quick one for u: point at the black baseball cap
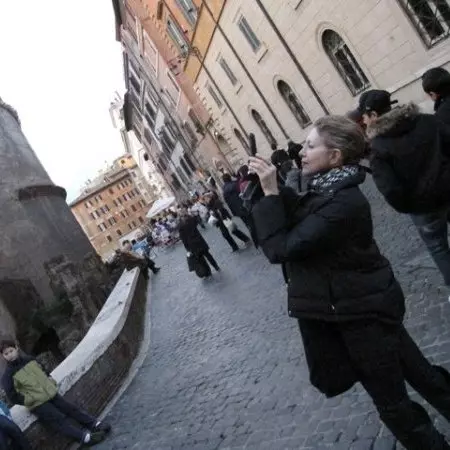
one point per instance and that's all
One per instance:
(375, 100)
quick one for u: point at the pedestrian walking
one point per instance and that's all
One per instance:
(341, 289)
(232, 197)
(194, 243)
(436, 83)
(10, 432)
(222, 219)
(25, 383)
(411, 167)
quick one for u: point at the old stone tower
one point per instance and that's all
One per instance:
(52, 283)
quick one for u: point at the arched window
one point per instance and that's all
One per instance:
(345, 62)
(242, 140)
(294, 103)
(263, 127)
(430, 17)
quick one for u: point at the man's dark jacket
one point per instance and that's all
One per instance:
(410, 160)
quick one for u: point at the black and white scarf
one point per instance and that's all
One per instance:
(323, 182)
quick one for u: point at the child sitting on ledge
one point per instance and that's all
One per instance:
(26, 383)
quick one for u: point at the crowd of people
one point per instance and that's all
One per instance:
(311, 217)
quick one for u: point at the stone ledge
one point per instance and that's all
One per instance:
(94, 371)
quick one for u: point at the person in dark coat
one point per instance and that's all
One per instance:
(221, 214)
(411, 167)
(193, 241)
(342, 290)
(436, 83)
(232, 197)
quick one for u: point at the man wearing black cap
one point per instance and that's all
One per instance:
(411, 167)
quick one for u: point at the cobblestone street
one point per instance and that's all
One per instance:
(226, 369)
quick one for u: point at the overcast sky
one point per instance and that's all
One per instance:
(60, 68)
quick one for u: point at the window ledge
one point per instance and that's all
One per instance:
(261, 53)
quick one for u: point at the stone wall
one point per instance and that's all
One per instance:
(46, 261)
(94, 371)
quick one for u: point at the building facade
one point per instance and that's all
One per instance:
(161, 106)
(134, 147)
(112, 207)
(272, 67)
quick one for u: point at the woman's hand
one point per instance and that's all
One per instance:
(267, 175)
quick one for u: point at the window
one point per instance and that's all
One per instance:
(150, 53)
(109, 238)
(199, 128)
(100, 197)
(293, 103)
(133, 174)
(430, 17)
(133, 208)
(344, 61)
(174, 91)
(122, 214)
(129, 226)
(263, 127)
(106, 207)
(119, 200)
(137, 191)
(111, 191)
(101, 226)
(215, 96)
(85, 205)
(112, 221)
(242, 140)
(89, 203)
(134, 223)
(228, 71)
(102, 210)
(124, 196)
(126, 212)
(189, 10)
(115, 203)
(249, 34)
(92, 215)
(119, 233)
(190, 133)
(177, 37)
(189, 162)
(185, 167)
(141, 219)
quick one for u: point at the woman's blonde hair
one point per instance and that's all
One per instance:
(339, 132)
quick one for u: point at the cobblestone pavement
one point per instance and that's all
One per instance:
(226, 368)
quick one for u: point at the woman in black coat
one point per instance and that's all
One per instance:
(342, 290)
(193, 241)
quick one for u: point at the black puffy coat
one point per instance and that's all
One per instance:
(410, 160)
(442, 107)
(192, 239)
(334, 269)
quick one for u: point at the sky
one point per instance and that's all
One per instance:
(60, 68)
